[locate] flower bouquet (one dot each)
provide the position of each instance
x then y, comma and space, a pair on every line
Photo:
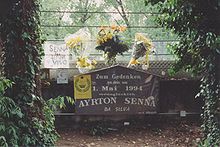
141, 48
84, 64
110, 42
78, 43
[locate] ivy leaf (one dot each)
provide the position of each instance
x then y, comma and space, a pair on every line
3, 142
26, 35
218, 50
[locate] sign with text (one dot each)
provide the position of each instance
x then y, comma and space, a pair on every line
56, 55
119, 90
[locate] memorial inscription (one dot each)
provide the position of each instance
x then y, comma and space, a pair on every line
118, 90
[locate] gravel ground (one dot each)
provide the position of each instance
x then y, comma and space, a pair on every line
130, 133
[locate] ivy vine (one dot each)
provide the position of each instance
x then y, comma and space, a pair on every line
26, 119
196, 22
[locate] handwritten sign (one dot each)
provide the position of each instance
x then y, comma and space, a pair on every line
56, 55
119, 90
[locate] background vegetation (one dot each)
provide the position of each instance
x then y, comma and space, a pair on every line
197, 25
25, 118
61, 17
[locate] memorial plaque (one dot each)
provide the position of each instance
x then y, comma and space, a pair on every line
116, 90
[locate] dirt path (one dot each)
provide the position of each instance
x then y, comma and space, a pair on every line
172, 133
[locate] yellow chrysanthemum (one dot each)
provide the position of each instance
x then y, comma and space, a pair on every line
147, 42
73, 42
113, 27
84, 62
81, 62
133, 61
122, 28
109, 35
93, 64
104, 38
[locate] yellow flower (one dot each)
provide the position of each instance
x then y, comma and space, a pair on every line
133, 61
105, 34
92, 64
98, 41
84, 62
73, 42
81, 62
109, 35
122, 28
147, 42
113, 27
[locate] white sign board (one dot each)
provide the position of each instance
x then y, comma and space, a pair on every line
56, 55
62, 76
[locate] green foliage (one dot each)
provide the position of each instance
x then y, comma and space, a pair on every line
83, 18
24, 119
59, 102
4, 84
206, 143
3, 142
46, 128
10, 113
12, 121
197, 25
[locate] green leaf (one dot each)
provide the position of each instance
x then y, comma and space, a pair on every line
3, 142
218, 50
